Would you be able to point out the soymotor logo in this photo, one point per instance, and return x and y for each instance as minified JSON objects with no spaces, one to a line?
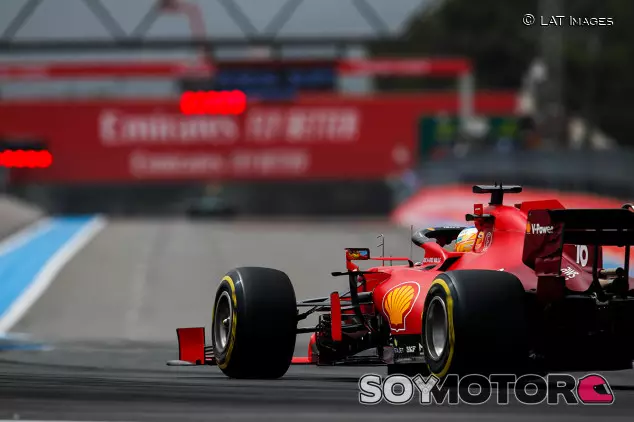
{"x":592,"y":389}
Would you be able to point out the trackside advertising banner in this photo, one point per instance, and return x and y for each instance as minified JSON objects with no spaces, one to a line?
{"x":313,"y":137}
{"x":447,"y":205}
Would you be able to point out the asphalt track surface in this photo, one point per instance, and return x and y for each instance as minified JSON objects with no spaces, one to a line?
{"x":109,"y":320}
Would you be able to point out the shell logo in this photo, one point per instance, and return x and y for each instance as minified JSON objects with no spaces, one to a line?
{"x":399,"y":302}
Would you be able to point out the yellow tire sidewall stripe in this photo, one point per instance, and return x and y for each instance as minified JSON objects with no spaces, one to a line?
{"x":450,"y":326}
{"x":234,"y":320}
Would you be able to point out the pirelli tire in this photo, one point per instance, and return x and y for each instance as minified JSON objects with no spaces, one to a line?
{"x":474,"y":322}
{"x":254,"y":324}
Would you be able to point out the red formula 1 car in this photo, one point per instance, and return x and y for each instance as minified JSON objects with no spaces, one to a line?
{"x":531,"y":294}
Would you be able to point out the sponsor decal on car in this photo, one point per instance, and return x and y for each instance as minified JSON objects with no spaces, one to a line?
{"x":488,"y":239}
{"x":538,"y":229}
{"x":569,"y":273}
{"x":398,"y":304}
{"x":431,"y":260}
{"x":406,"y":349}
{"x":407,"y":345}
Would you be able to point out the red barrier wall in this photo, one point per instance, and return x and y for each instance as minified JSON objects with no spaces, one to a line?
{"x":314,"y":137}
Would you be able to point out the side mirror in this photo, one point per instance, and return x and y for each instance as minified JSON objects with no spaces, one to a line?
{"x":357,"y":254}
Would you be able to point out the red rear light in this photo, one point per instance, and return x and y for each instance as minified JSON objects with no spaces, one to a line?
{"x":26,"y":159}
{"x":213,"y":102}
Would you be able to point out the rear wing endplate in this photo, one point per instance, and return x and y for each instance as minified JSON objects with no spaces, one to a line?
{"x":548,"y":230}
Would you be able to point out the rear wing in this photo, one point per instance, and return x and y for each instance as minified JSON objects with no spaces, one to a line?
{"x":548,"y":230}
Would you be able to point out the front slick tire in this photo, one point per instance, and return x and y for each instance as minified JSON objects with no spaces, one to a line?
{"x":255,"y":323}
{"x":483,"y":318}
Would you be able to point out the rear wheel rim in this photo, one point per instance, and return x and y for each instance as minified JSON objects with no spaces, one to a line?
{"x":436,"y":329}
{"x":223,"y":321}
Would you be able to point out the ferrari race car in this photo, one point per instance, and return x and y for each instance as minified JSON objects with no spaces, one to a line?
{"x":531,"y":296}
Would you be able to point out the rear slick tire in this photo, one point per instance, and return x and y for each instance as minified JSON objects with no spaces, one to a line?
{"x":474,"y":322}
{"x":254,"y":324}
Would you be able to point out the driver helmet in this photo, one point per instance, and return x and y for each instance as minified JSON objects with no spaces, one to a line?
{"x":466,"y":239}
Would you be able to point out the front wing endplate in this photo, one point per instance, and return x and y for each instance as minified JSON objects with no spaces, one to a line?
{"x":192,"y":350}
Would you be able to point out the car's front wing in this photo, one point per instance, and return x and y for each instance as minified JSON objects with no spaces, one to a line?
{"x":192,"y":351}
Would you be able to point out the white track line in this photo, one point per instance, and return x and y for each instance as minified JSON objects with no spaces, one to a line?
{"x":48,"y":273}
